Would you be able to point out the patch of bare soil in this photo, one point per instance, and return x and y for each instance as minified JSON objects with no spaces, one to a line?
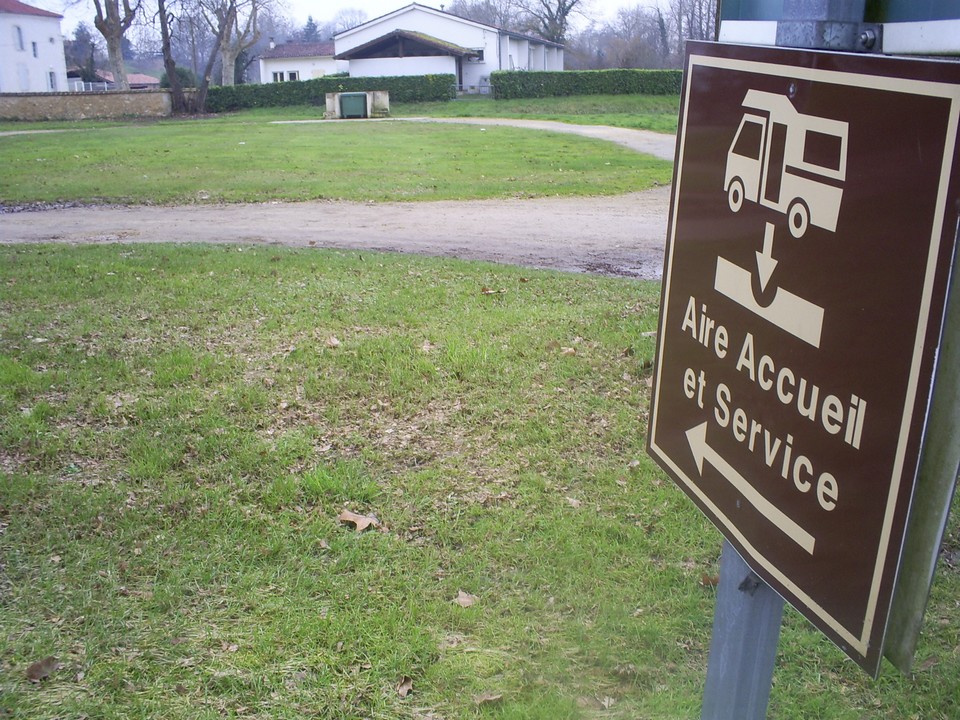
{"x":620,"y":235}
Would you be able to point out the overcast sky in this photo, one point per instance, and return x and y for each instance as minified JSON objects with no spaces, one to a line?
{"x":323,"y":10}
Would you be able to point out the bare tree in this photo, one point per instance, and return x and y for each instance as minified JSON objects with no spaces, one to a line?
{"x":166,"y":19}
{"x":550,"y":18}
{"x":504,"y":14}
{"x":343,"y":20}
{"x":589,"y":49}
{"x":113,"y":21}
{"x":692,"y":20}
{"x":638,"y":38}
{"x":235,"y":23}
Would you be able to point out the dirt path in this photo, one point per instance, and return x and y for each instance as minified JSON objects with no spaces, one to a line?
{"x":620,"y":235}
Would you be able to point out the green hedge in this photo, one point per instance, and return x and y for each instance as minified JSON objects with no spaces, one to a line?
{"x":509,"y":84}
{"x":414,"y":88}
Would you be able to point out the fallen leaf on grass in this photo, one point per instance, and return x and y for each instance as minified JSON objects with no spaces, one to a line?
{"x":465,"y":599}
{"x":487,"y":698}
{"x":568,"y":351}
{"x":490,"y":291}
{"x":709,"y":580}
{"x":332,"y":342}
{"x":405,"y":687}
{"x":573,"y":502}
{"x":930,"y":662}
{"x":41,"y":669}
{"x":360,"y":522}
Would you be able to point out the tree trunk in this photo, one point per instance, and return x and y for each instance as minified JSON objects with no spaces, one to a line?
{"x":228,"y":56}
{"x":112,"y":25}
{"x":177,"y":99}
{"x":214,"y":51}
{"x":115,"y":58}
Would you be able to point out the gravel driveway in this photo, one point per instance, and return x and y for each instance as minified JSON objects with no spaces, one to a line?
{"x":620,"y":235}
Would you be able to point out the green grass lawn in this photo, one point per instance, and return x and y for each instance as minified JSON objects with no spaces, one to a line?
{"x":640,"y":112}
{"x":181,"y":427}
{"x":245,"y":158}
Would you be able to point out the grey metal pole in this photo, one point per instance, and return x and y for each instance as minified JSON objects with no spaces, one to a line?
{"x":743,"y":650}
{"x":822,"y":24}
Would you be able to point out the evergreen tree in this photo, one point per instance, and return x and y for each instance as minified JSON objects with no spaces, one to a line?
{"x":310,"y":32}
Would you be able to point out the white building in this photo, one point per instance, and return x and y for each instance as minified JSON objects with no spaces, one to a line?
{"x":419,"y":40}
{"x":31,"y":50}
{"x":299,"y":61}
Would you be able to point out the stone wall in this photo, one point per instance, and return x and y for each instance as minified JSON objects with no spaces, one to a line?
{"x":84,"y":106}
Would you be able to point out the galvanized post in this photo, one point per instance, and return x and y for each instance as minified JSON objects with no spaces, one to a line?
{"x":936,"y":484}
{"x":746,"y":630}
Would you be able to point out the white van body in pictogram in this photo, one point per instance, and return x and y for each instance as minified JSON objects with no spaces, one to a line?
{"x":787,"y":161}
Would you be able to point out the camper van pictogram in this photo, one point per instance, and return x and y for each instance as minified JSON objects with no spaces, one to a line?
{"x":787,"y":161}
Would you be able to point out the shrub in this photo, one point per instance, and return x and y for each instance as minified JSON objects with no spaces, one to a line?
{"x":414,"y":88}
{"x":511,"y":84}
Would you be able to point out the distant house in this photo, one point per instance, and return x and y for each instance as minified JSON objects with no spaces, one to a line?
{"x":419,"y":40}
{"x":104,"y":81}
{"x":299,"y":61}
{"x":31,"y":49}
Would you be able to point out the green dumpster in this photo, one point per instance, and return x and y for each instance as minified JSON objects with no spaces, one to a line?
{"x":353,"y":105}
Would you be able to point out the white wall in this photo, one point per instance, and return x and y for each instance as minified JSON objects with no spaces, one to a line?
{"x":497,"y":48}
{"x":386,"y":67}
{"x":308,"y":68}
{"x":465,"y":33}
{"x":29,"y":69}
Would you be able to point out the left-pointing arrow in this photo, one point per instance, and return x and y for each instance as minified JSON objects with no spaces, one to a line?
{"x":697,"y":438}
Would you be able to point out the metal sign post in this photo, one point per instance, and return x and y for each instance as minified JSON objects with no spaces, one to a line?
{"x":813,"y":229}
{"x":746,"y":631}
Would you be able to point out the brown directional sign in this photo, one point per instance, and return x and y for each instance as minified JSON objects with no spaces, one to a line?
{"x":813,"y":224}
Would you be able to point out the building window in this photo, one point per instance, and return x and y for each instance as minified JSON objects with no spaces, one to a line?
{"x":278,"y":77}
{"x":53,"y":81}
{"x":293,"y":75}
{"x":18,"y":37}
{"x":33,"y":46}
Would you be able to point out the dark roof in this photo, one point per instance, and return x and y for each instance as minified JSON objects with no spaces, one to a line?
{"x":511,"y":33}
{"x":15,"y":7}
{"x":298,"y":50}
{"x":406,"y":43}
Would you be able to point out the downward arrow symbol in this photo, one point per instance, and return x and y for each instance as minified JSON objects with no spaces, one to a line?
{"x":702,"y":452}
{"x":765,"y":262}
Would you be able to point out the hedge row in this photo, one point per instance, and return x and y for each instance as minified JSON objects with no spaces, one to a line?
{"x":418,"y":88}
{"x":509,"y":84}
